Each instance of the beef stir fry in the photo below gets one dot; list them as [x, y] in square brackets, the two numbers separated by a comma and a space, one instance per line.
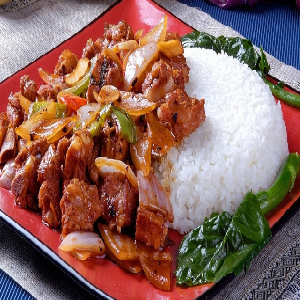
[78, 148]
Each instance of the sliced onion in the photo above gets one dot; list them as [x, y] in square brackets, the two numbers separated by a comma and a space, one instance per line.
[137, 62]
[122, 246]
[88, 113]
[83, 242]
[108, 165]
[81, 69]
[158, 272]
[26, 129]
[153, 196]
[8, 174]
[157, 34]
[170, 48]
[47, 77]
[25, 103]
[126, 45]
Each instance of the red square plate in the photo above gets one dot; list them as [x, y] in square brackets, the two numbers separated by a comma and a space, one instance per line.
[101, 276]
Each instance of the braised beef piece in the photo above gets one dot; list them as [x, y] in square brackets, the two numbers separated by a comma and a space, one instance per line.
[14, 110]
[80, 207]
[172, 36]
[113, 145]
[151, 228]
[117, 33]
[107, 71]
[93, 48]
[49, 175]
[9, 145]
[49, 91]
[49, 202]
[181, 113]
[118, 200]
[25, 186]
[67, 62]
[61, 149]
[28, 88]
[78, 156]
[179, 67]
[92, 169]
[4, 122]
[50, 166]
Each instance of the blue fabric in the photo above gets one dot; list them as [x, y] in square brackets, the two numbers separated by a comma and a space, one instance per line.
[10, 290]
[274, 25]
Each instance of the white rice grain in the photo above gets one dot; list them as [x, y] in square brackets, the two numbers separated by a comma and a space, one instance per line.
[239, 147]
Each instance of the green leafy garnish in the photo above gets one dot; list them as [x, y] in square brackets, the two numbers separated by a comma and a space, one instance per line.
[226, 244]
[223, 244]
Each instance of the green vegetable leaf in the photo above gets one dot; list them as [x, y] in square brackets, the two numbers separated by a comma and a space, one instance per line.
[223, 244]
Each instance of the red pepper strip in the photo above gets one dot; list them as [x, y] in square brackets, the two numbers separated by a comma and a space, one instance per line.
[72, 101]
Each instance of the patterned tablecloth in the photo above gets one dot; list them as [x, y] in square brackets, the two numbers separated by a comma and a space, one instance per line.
[31, 28]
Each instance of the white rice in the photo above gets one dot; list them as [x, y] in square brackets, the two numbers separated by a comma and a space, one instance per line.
[239, 147]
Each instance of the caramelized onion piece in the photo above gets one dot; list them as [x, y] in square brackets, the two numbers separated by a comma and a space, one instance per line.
[162, 138]
[108, 165]
[157, 34]
[153, 196]
[83, 244]
[126, 45]
[170, 48]
[141, 154]
[121, 246]
[25, 103]
[26, 129]
[158, 272]
[137, 61]
[81, 69]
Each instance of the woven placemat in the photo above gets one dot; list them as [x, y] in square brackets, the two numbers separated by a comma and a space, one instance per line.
[15, 5]
[47, 23]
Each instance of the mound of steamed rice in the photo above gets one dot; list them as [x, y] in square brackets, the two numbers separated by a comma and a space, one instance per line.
[239, 147]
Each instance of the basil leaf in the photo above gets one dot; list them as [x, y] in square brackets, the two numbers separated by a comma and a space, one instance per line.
[223, 244]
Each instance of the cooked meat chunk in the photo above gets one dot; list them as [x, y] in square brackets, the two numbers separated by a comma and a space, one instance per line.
[49, 91]
[181, 114]
[61, 149]
[151, 228]
[158, 82]
[92, 169]
[172, 36]
[9, 145]
[78, 156]
[49, 200]
[67, 62]
[113, 145]
[118, 201]
[179, 67]
[118, 33]
[4, 122]
[80, 207]
[107, 71]
[93, 48]
[37, 148]
[50, 166]
[14, 110]
[25, 186]
[28, 88]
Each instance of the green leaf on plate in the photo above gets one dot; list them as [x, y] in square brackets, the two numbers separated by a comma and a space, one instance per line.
[223, 244]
